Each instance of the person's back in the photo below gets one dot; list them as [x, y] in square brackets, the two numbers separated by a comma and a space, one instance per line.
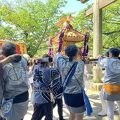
[46, 80]
[57, 86]
[41, 85]
[72, 68]
[112, 68]
[111, 91]
[73, 86]
[15, 79]
[15, 82]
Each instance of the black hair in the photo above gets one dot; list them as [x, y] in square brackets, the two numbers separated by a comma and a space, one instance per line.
[71, 52]
[44, 63]
[45, 55]
[107, 53]
[8, 49]
[114, 51]
[49, 57]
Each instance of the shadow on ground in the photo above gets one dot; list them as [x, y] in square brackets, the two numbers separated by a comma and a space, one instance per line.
[95, 101]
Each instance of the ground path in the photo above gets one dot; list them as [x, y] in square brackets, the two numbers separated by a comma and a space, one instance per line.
[94, 97]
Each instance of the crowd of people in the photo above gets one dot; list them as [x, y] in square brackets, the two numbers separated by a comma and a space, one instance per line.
[52, 80]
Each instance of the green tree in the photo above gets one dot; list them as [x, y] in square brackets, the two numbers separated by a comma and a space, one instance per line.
[31, 21]
[111, 25]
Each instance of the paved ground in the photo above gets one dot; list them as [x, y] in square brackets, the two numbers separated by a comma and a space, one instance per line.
[95, 101]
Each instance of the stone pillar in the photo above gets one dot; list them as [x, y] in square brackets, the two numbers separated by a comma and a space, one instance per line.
[97, 29]
[97, 40]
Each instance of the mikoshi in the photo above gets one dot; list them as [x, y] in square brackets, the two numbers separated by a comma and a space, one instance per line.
[68, 35]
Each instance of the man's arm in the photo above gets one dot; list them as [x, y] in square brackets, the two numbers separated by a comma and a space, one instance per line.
[5, 61]
[9, 59]
[102, 62]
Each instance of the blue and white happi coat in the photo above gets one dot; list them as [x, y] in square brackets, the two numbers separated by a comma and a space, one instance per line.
[45, 82]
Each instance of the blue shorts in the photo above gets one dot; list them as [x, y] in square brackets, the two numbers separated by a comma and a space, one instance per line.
[75, 102]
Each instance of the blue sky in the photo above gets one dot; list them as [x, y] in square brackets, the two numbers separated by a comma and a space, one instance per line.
[74, 6]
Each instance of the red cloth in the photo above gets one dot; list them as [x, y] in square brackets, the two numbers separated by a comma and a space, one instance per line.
[18, 49]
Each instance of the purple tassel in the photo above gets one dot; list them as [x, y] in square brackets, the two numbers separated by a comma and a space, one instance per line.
[60, 41]
[50, 51]
[85, 51]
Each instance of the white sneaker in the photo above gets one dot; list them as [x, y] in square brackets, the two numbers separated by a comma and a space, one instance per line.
[102, 113]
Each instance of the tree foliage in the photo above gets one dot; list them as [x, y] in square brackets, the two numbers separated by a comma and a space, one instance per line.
[111, 25]
[34, 21]
[31, 21]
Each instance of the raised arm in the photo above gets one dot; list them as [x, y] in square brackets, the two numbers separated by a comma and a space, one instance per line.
[10, 59]
[102, 61]
[61, 61]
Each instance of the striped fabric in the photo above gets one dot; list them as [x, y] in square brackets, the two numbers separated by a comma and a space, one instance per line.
[64, 66]
[46, 81]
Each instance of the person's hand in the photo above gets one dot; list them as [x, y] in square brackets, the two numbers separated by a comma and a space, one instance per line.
[100, 56]
[79, 58]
